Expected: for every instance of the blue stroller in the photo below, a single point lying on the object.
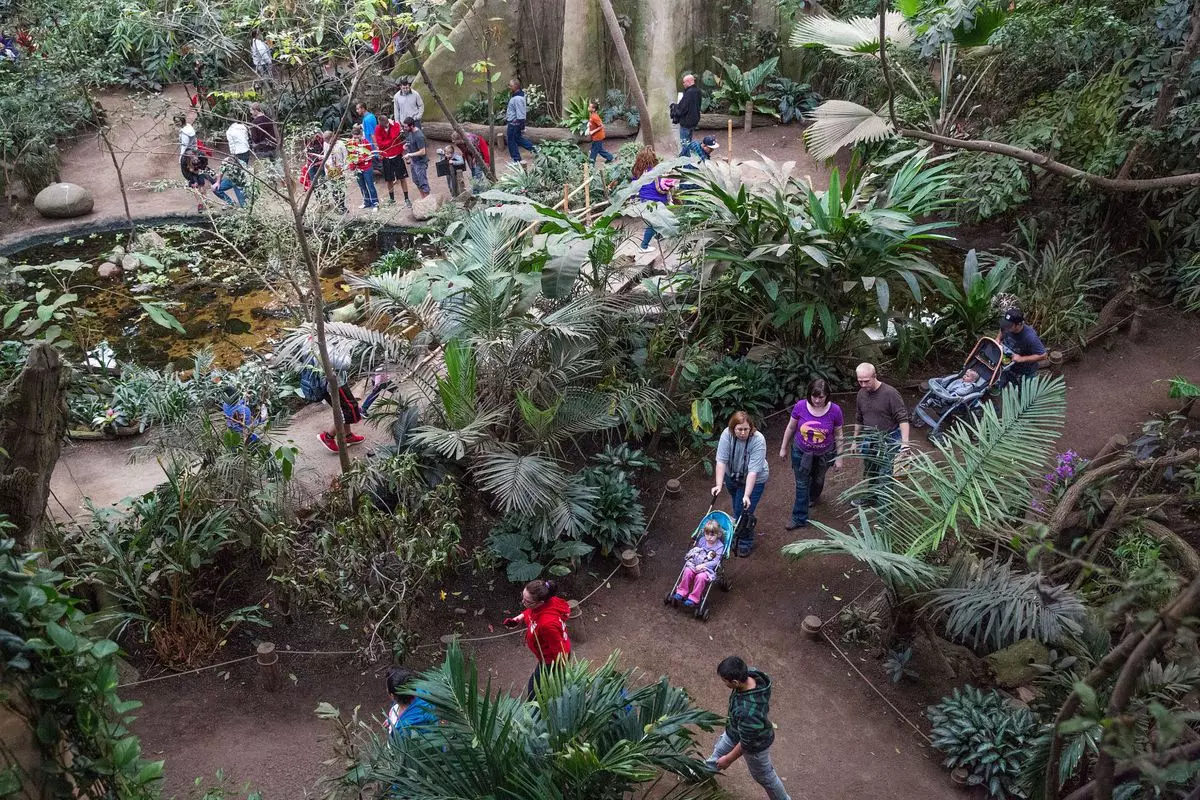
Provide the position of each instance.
(955, 395)
(701, 609)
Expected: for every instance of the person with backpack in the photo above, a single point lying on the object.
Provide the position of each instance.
(748, 733)
(408, 710)
(481, 147)
(685, 112)
(545, 621)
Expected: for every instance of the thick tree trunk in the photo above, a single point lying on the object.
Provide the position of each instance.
(639, 97)
(33, 420)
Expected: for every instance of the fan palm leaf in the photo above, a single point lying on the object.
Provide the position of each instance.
(871, 546)
(522, 484)
(858, 36)
(457, 442)
(840, 123)
(991, 605)
(350, 346)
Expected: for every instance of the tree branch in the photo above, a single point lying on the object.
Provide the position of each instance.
(883, 63)
(1057, 167)
(1128, 769)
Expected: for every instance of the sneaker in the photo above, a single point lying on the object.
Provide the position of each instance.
(329, 441)
(689, 603)
(354, 438)
(375, 207)
(364, 206)
(645, 249)
(391, 201)
(408, 203)
(791, 526)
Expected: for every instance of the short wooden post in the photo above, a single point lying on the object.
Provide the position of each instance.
(576, 618)
(268, 666)
(587, 194)
(673, 486)
(729, 140)
(632, 564)
(566, 198)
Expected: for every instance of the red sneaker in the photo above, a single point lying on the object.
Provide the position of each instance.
(329, 441)
(354, 438)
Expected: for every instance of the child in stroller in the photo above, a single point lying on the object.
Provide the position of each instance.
(961, 393)
(700, 565)
(958, 386)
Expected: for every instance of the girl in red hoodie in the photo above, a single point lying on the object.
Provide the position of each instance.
(545, 620)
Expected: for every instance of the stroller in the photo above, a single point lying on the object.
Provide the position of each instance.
(940, 405)
(701, 609)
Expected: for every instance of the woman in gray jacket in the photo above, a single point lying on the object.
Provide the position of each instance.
(742, 464)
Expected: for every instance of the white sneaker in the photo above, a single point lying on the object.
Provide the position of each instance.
(645, 249)
(363, 205)
(374, 208)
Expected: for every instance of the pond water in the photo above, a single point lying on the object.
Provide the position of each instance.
(220, 302)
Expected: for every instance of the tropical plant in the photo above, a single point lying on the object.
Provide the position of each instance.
(575, 115)
(793, 100)
(620, 519)
(1059, 282)
(590, 734)
(617, 106)
(970, 312)
(896, 665)
(400, 259)
(624, 459)
(745, 92)
(988, 605)
(803, 262)
(794, 368)
(986, 735)
(528, 556)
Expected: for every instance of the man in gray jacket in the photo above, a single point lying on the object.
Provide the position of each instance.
(514, 115)
(407, 103)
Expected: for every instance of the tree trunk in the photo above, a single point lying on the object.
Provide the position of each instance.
(618, 37)
(33, 420)
(749, 117)
(449, 115)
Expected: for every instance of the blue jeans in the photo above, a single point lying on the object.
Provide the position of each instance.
(647, 236)
(221, 189)
(419, 169)
(759, 765)
(598, 150)
(514, 135)
(366, 185)
(879, 456)
(737, 490)
(685, 134)
(809, 469)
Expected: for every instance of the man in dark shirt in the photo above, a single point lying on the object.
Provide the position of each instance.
(1027, 349)
(882, 420)
(749, 733)
(687, 110)
(264, 140)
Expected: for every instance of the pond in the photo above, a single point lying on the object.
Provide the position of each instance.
(221, 300)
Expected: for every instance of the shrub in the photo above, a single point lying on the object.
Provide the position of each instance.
(396, 261)
(792, 370)
(618, 107)
(624, 459)
(985, 735)
(620, 518)
(528, 555)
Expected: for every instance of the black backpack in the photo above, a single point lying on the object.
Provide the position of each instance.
(674, 111)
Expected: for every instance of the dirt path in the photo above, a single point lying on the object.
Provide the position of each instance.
(836, 738)
(146, 141)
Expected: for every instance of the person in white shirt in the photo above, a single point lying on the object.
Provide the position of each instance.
(335, 169)
(187, 134)
(260, 55)
(237, 136)
(407, 103)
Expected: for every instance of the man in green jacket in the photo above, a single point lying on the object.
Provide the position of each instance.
(748, 731)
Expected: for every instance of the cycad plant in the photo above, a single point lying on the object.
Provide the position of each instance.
(590, 734)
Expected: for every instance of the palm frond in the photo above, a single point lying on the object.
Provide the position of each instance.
(981, 470)
(350, 346)
(840, 123)
(995, 607)
(523, 484)
(455, 443)
(872, 547)
(858, 36)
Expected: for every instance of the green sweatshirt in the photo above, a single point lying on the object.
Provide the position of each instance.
(748, 710)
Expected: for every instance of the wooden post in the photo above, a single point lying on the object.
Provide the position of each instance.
(587, 194)
(576, 621)
(268, 666)
(632, 564)
(566, 198)
(729, 140)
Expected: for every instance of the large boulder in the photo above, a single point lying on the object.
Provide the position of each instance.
(426, 207)
(1013, 666)
(63, 201)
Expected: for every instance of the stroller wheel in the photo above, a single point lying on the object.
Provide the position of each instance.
(667, 600)
(726, 584)
(703, 614)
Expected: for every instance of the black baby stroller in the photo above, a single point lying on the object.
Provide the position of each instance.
(701, 609)
(943, 402)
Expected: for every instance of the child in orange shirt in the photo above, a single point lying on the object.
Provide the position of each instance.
(595, 130)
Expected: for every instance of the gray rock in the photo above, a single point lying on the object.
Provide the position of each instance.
(63, 201)
(109, 270)
(150, 240)
(425, 208)
(130, 262)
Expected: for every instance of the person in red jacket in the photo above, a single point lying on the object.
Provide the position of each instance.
(389, 140)
(545, 620)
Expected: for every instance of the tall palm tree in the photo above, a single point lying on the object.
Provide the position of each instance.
(590, 734)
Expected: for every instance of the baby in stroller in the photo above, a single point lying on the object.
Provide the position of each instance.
(959, 386)
(700, 564)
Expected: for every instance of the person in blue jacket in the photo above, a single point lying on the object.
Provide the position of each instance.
(408, 710)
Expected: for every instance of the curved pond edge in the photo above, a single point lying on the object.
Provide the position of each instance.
(18, 244)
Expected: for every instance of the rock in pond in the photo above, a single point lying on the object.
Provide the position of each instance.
(109, 270)
(63, 201)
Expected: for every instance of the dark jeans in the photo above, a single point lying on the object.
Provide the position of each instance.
(419, 169)
(737, 490)
(647, 236)
(366, 185)
(514, 135)
(879, 456)
(809, 469)
(533, 681)
(685, 134)
(598, 150)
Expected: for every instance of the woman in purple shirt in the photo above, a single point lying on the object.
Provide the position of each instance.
(815, 433)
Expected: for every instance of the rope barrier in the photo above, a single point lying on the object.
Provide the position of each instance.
(874, 688)
(238, 661)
